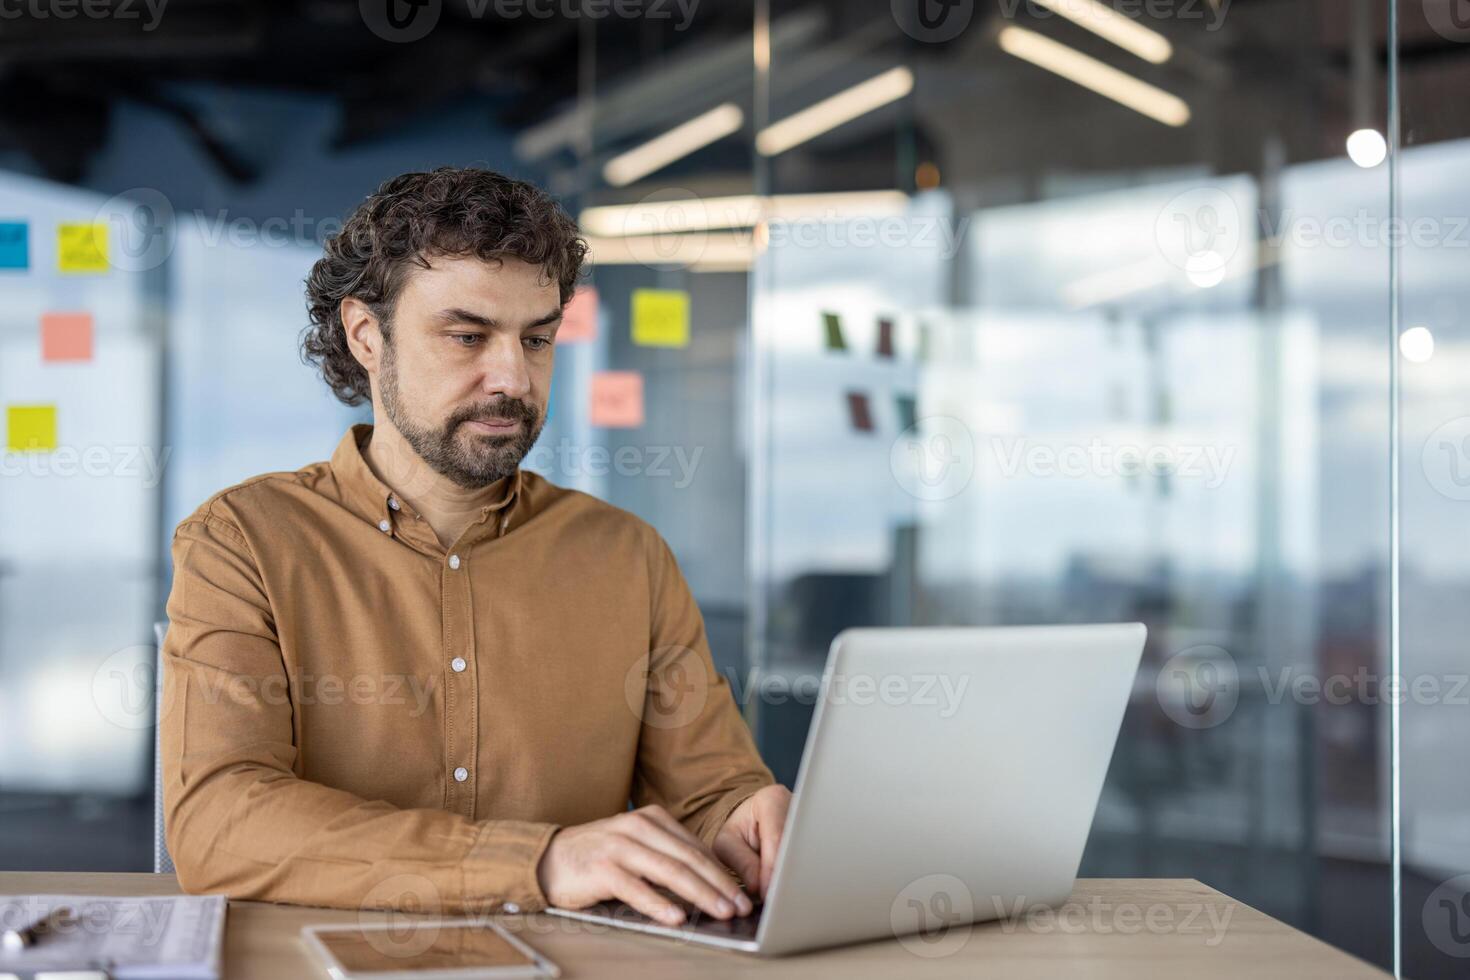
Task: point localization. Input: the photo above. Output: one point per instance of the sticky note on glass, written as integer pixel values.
(617, 399)
(66, 336)
(833, 326)
(82, 247)
(15, 248)
(885, 337)
(908, 412)
(661, 317)
(30, 428)
(579, 318)
(859, 412)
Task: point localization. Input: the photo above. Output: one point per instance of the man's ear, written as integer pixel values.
(364, 337)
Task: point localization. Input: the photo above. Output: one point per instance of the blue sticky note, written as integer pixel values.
(15, 251)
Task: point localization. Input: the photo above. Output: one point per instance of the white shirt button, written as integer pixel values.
(454, 561)
(457, 663)
(511, 908)
(461, 774)
(384, 526)
(393, 502)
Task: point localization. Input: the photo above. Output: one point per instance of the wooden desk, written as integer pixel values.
(1117, 927)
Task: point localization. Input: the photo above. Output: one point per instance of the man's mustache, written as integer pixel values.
(513, 410)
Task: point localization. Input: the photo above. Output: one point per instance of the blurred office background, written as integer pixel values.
(979, 312)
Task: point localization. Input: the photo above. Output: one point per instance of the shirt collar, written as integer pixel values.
(377, 502)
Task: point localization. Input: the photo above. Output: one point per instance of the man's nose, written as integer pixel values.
(503, 369)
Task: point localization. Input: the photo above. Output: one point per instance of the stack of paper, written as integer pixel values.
(144, 938)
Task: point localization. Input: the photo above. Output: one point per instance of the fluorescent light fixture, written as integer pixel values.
(737, 211)
(1110, 25)
(720, 250)
(1090, 73)
(676, 144)
(832, 112)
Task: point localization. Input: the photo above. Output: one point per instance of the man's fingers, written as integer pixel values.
(680, 844)
(770, 834)
(744, 860)
(635, 891)
(679, 878)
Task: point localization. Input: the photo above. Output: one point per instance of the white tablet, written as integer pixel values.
(434, 949)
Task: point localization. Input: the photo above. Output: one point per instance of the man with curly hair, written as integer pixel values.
(418, 676)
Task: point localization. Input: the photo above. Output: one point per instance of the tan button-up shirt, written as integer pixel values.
(353, 713)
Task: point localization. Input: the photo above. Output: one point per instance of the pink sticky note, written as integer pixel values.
(66, 336)
(579, 318)
(617, 399)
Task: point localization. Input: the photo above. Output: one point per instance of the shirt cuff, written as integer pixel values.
(499, 871)
(715, 816)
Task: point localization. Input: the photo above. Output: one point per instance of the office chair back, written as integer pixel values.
(162, 863)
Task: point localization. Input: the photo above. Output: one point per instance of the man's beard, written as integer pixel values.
(474, 460)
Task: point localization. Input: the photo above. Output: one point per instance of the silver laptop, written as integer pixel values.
(950, 776)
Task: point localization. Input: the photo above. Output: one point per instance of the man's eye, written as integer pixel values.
(538, 343)
(466, 339)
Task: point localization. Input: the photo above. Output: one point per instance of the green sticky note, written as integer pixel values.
(82, 247)
(833, 323)
(661, 317)
(30, 428)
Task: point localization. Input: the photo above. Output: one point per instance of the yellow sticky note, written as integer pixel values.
(82, 247)
(30, 428)
(661, 317)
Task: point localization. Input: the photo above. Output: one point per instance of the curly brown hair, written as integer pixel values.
(453, 211)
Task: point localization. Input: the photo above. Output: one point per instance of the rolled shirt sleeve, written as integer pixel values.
(696, 756)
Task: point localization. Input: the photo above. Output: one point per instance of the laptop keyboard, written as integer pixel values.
(742, 927)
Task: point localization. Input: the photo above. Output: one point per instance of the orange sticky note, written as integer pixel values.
(66, 336)
(579, 318)
(617, 399)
